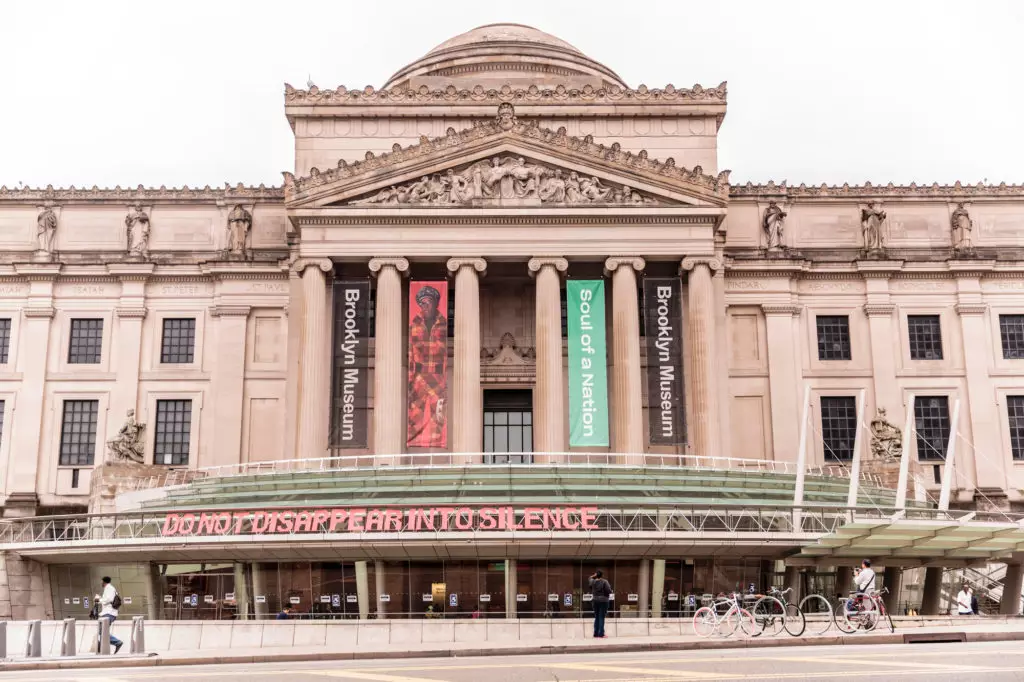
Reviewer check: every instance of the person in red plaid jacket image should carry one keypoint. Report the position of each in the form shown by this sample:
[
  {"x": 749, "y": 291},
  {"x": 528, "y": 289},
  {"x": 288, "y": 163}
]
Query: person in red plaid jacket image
[{"x": 428, "y": 365}]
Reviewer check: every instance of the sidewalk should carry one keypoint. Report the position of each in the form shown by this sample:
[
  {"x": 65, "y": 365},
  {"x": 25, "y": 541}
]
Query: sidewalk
[{"x": 973, "y": 631}]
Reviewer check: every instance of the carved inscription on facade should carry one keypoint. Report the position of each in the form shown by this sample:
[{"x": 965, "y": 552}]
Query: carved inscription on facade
[
  {"x": 268, "y": 288},
  {"x": 745, "y": 284}
]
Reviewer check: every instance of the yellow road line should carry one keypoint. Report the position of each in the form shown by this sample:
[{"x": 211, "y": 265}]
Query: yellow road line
[
  {"x": 364, "y": 675},
  {"x": 602, "y": 668},
  {"x": 873, "y": 660}
]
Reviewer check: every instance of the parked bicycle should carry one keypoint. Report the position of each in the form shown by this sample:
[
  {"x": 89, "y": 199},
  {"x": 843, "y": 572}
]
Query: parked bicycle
[
  {"x": 723, "y": 617},
  {"x": 773, "y": 614},
  {"x": 863, "y": 613}
]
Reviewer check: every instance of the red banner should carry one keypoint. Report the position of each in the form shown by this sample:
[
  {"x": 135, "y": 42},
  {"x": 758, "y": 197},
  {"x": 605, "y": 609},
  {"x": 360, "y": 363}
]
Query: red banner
[{"x": 428, "y": 365}]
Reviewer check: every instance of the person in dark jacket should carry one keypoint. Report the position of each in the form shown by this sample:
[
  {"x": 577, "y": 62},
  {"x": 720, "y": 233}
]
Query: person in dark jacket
[{"x": 601, "y": 590}]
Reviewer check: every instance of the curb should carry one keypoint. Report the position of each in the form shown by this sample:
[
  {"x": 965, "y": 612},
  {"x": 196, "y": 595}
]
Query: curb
[{"x": 154, "y": 660}]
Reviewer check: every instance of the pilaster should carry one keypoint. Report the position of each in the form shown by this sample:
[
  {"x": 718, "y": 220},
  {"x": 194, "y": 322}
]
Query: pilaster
[
  {"x": 783, "y": 378},
  {"x": 228, "y": 383},
  {"x": 127, "y": 341}
]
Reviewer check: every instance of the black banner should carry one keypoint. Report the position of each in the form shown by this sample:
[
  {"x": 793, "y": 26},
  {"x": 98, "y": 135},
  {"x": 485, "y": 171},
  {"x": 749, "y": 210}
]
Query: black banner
[
  {"x": 663, "y": 328},
  {"x": 350, "y": 364}
]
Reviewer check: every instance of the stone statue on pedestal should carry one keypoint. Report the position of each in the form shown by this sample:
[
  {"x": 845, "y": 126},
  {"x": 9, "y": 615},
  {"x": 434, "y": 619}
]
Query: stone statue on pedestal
[
  {"x": 886, "y": 438},
  {"x": 137, "y": 226},
  {"x": 239, "y": 229},
  {"x": 961, "y": 224},
  {"x": 773, "y": 223},
  {"x": 872, "y": 219},
  {"x": 128, "y": 446},
  {"x": 46, "y": 229}
]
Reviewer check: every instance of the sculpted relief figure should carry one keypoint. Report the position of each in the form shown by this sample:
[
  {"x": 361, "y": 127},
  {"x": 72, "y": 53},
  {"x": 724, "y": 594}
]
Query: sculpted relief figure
[
  {"x": 46, "y": 229},
  {"x": 137, "y": 224},
  {"x": 872, "y": 219},
  {"x": 239, "y": 229},
  {"x": 506, "y": 179},
  {"x": 961, "y": 224},
  {"x": 128, "y": 445},
  {"x": 773, "y": 223},
  {"x": 886, "y": 439}
]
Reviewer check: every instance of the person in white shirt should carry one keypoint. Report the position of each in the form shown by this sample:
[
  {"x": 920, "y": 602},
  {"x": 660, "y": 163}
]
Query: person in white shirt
[
  {"x": 865, "y": 580},
  {"x": 109, "y": 611},
  {"x": 963, "y": 601}
]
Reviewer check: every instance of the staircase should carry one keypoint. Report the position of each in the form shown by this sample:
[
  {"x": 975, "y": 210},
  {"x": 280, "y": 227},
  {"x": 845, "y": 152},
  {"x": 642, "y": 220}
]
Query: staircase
[{"x": 987, "y": 584}]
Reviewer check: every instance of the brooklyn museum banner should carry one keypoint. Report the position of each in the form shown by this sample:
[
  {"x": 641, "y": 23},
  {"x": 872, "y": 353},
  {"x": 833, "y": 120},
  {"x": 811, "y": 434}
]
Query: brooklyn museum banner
[
  {"x": 350, "y": 364},
  {"x": 428, "y": 365},
  {"x": 663, "y": 329},
  {"x": 588, "y": 367}
]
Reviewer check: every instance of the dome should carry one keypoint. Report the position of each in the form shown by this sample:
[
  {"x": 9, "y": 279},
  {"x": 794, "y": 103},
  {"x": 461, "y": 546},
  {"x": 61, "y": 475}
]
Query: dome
[{"x": 505, "y": 54}]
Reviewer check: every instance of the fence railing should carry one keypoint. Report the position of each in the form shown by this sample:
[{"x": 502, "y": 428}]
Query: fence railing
[{"x": 175, "y": 477}]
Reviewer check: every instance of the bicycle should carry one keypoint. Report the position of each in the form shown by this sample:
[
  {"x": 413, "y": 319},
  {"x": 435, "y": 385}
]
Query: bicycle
[
  {"x": 863, "y": 612},
  {"x": 707, "y": 622},
  {"x": 774, "y": 614}
]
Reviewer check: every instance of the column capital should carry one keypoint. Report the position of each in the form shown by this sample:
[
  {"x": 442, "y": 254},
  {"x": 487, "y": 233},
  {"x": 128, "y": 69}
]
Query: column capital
[
  {"x": 879, "y": 309},
  {"x": 131, "y": 313},
  {"x": 456, "y": 264},
  {"x": 536, "y": 263},
  {"x": 615, "y": 262},
  {"x": 230, "y": 310},
  {"x": 782, "y": 309},
  {"x": 377, "y": 264},
  {"x": 963, "y": 309},
  {"x": 325, "y": 264},
  {"x": 690, "y": 262}
]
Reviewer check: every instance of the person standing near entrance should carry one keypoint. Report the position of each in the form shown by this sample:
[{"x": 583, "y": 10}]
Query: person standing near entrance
[
  {"x": 963, "y": 601},
  {"x": 601, "y": 590},
  {"x": 110, "y": 602}
]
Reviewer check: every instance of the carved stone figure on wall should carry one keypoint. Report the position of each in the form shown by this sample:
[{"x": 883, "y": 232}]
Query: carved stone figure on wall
[
  {"x": 774, "y": 218},
  {"x": 872, "y": 220},
  {"x": 46, "y": 229},
  {"x": 239, "y": 230},
  {"x": 962, "y": 226},
  {"x": 886, "y": 438},
  {"x": 128, "y": 446},
  {"x": 137, "y": 224}
]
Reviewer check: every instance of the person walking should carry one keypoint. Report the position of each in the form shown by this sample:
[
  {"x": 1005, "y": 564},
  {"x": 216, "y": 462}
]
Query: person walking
[
  {"x": 963, "y": 601},
  {"x": 601, "y": 590},
  {"x": 110, "y": 601},
  {"x": 974, "y": 601}
]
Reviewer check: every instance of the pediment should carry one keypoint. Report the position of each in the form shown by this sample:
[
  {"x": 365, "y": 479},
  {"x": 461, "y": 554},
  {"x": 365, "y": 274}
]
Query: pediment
[{"x": 505, "y": 163}]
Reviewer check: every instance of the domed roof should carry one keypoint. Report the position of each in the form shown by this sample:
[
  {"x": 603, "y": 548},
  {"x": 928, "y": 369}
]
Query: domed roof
[{"x": 500, "y": 54}]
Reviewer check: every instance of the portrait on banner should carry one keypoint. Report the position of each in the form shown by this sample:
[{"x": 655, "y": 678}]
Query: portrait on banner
[{"x": 428, "y": 365}]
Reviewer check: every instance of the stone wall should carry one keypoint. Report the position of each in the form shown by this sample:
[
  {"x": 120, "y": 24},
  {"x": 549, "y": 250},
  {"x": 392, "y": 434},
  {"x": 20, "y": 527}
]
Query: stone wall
[{"x": 24, "y": 589}]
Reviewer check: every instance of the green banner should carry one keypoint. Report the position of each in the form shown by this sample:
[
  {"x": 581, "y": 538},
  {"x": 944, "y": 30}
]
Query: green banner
[{"x": 588, "y": 364}]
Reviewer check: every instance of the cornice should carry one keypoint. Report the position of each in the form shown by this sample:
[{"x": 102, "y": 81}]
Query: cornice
[
  {"x": 559, "y": 95},
  {"x": 970, "y": 308},
  {"x": 40, "y": 313},
  {"x": 869, "y": 191},
  {"x": 230, "y": 310},
  {"x": 971, "y": 268},
  {"x": 139, "y": 194},
  {"x": 789, "y": 309},
  {"x": 36, "y": 272},
  {"x": 878, "y": 268},
  {"x": 131, "y": 313},
  {"x": 232, "y": 270},
  {"x": 879, "y": 309},
  {"x": 510, "y": 128},
  {"x": 520, "y": 219}
]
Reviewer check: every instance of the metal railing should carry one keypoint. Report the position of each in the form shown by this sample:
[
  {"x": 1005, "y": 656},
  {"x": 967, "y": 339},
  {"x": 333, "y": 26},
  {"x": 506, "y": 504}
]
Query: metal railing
[{"x": 175, "y": 477}]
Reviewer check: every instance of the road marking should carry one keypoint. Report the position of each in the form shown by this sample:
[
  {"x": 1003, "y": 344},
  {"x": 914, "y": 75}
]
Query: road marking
[
  {"x": 603, "y": 668},
  {"x": 359, "y": 675},
  {"x": 873, "y": 660}
]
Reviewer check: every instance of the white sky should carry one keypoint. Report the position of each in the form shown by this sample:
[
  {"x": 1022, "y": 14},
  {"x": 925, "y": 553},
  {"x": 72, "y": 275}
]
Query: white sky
[{"x": 167, "y": 93}]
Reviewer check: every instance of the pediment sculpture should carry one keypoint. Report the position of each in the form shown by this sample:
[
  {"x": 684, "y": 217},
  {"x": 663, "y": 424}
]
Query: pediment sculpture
[
  {"x": 506, "y": 180},
  {"x": 508, "y": 353}
]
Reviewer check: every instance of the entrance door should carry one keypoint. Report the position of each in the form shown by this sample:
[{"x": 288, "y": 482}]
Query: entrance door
[{"x": 508, "y": 427}]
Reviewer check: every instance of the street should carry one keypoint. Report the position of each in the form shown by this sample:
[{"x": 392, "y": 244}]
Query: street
[{"x": 995, "y": 661}]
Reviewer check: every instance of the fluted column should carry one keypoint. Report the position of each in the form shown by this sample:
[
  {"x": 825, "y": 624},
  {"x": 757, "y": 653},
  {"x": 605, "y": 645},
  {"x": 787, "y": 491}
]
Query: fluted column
[
  {"x": 388, "y": 382},
  {"x": 314, "y": 393},
  {"x": 628, "y": 418},
  {"x": 549, "y": 402},
  {"x": 466, "y": 416},
  {"x": 706, "y": 440}
]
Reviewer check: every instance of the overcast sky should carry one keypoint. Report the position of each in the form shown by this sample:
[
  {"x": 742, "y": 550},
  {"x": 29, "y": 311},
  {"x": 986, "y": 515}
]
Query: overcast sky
[{"x": 167, "y": 93}]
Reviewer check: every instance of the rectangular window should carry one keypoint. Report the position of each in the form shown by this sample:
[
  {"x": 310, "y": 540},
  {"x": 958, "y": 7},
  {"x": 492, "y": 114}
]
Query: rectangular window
[
  {"x": 833, "y": 337},
  {"x": 931, "y": 421},
  {"x": 78, "y": 432},
  {"x": 838, "y": 427},
  {"x": 925, "y": 332},
  {"x": 2, "y": 406},
  {"x": 1011, "y": 331},
  {"x": 1015, "y": 411},
  {"x": 179, "y": 341},
  {"x": 451, "y": 313},
  {"x": 5, "y": 339},
  {"x": 86, "y": 344},
  {"x": 173, "y": 432}
]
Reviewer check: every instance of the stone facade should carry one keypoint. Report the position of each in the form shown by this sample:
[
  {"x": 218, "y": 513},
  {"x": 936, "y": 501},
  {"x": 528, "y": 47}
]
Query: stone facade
[{"x": 252, "y": 268}]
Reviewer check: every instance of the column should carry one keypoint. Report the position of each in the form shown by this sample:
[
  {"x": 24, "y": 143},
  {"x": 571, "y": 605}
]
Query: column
[
  {"x": 466, "y": 416},
  {"x": 154, "y": 591},
  {"x": 548, "y": 400},
  {"x": 644, "y": 589},
  {"x": 706, "y": 441},
  {"x": 228, "y": 383},
  {"x": 784, "y": 379},
  {"x": 794, "y": 583},
  {"x": 844, "y": 580},
  {"x": 628, "y": 417},
  {"x": 1009, "y": 603},
  {"x": 243, "y": 600},
  {"x": 388, "y": 379},
  {"x": 931, "y": 596},
  {"x": 658, "y": 588},
  {"x": 259, "y": 589},
  {"x": 314, "y": 395},
  {"x": 511, "y": 588},
  {"x": 379, "y": 579},
  {"x": 362, "y": 590},
  {"x": 892, "y": 579}
]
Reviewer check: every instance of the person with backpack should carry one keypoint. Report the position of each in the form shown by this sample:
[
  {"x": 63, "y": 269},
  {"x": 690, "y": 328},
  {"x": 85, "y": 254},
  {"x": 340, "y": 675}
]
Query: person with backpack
[
  {"x": 110, "y": 602},
  {"x": 601, "y": 590}
]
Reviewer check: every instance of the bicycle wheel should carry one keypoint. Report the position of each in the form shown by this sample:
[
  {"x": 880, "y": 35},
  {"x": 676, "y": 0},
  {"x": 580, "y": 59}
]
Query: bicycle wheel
[
  {"x": 846, "y": 618},
  {"x": 740, "y": 619},
  {"x": 818, "y": 614},
  {"x": 769, "y": 616},
  {"x": 794, "y": 623},
  {"x": 869, "y": 615},
  {"x": 705, "y": 622}
]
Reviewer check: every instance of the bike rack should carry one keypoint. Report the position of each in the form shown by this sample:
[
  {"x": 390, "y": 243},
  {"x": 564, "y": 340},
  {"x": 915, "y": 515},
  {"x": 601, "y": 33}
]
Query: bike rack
[
  {"x": 34, "y": 641},
  {"x": 103, "y": 626},
  {"x": 138, "y": 639},
  {"x": 68, "y": 646}
]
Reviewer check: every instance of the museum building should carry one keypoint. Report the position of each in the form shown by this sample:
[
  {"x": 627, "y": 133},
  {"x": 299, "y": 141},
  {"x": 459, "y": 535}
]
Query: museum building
[{"x": 505, "y": 323}]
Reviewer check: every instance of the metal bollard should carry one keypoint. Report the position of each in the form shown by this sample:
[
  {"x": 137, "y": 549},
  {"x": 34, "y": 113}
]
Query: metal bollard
[
  {"x": 103, "y": 625},
  {"x": 67, "y": 638},
  {"x": 34, "y": 642},
  {"x": 138, "y": 639}
]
